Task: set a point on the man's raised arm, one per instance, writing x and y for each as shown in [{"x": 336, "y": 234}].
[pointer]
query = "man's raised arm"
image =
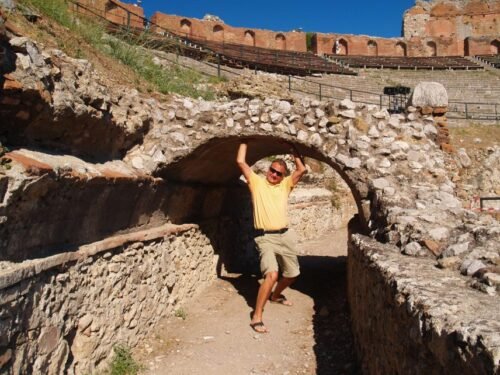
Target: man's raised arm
[
  {"x": 241, "y": 160},
  {"x": 300, "y": 168}
]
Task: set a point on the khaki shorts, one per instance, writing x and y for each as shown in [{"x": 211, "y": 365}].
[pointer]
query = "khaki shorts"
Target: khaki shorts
[{"x": 278, "y": 251}]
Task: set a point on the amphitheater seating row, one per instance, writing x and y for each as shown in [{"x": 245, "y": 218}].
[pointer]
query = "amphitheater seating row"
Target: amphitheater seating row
[
  {"x": 278, "y": 61},
  {"x": 234, "y": 55},
  {"x": 400, "y": 62},
  {"x": 493, "y": 60}
]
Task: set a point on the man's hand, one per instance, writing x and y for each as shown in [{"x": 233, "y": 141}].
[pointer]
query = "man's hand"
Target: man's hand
[
  {"x": 300, "y": 168},
  {"x": 241, "y": 160},
  {"x": 291, "y": 148},
  {"x": 294, "y": 151}
]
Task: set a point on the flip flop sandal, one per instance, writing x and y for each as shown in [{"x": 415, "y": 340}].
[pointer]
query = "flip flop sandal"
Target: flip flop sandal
[
  {"x": 281, "y": 300},
  {"x": 255, "y": 326}
]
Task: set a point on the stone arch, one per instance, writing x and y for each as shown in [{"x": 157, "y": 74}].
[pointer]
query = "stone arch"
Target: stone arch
[
  {"x": 249, "y": 38},
  {"x": 495, "y": 47},
  {"x": 218, "y": 33},
  {"x": 350, "y": 144},
  {"x": 340, "y": 47},
  {"x": 185, "y": 25},
  {"x": 280, "y": 40},
  {"x": 430, "y": 48},
  {"x": 217, "y": 167},
  {"x": 372, "y": 48},
  {"x": 401, "y": 49}
]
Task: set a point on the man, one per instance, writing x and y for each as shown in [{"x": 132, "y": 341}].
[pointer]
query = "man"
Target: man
[{"x": 275, "y": 243}]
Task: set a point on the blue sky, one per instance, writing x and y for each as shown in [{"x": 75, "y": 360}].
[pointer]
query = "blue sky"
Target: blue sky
[{"x": 376, "y": 18}]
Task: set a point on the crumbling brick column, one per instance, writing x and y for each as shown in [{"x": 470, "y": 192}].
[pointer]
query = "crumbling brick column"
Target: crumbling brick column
[{"x": 441, "y": 122}]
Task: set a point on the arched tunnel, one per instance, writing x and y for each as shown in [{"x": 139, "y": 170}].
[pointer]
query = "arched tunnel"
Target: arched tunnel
[
  {"x": 212, "y": 167},
  {"x": 202, "y": 187},
  {"x": 56, "y": 203}
]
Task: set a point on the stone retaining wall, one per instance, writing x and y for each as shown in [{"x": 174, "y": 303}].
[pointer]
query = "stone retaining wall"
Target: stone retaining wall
[
  {"x": 64, "y": 314},
  {"x": 408, "y": 321}
]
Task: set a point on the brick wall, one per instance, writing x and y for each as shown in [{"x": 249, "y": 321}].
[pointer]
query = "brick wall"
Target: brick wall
[
  {"x": 434, "y": 28},
  {"x": 450, "y": 24},
  {"x": 216, "y": 31}
]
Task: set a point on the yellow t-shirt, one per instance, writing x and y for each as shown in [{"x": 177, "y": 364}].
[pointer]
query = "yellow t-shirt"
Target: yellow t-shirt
[{"x": 269, "y": 202}]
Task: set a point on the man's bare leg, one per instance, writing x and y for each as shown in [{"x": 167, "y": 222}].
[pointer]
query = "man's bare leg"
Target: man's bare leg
[
  {"x": 262, "y": 296},
  {"x": 284, "y": 283}
]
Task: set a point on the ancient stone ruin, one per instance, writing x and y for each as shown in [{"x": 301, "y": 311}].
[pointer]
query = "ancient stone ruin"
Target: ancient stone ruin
[
  {"x": 430, "y": 28},
  {"x": 115, "y": 207}
]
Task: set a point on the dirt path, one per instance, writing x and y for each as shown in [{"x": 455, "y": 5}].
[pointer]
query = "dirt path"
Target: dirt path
[{"x": 312, "y": 337}]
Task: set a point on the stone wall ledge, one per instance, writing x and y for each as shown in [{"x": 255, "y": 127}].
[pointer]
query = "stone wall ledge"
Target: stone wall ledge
[
  {"x": 408, "y": 317},
  {"x": 30, "y": 268},
  {"x": 38, "y": 163}
]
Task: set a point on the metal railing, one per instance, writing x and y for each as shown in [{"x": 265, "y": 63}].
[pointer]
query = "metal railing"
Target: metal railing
[
  {"x": 327, "y": 91},
  {"x": 478, "y": 204},
  {"x": 484, "y": 199},
  {"x": 474, "y": 111},
  {"x": 456, "y": 110}
]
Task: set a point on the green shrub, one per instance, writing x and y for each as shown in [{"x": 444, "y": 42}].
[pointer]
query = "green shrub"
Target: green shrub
[
  {"x": 123, "y": 363},
  {"x": 55, "y": 9},
  {"x": 180, "y": 313}
]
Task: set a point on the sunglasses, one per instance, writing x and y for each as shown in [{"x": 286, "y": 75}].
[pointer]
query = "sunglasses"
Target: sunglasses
[{"x": 277, "y": 173}]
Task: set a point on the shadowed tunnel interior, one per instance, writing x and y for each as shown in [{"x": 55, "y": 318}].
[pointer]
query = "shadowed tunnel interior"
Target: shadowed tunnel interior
[{"x": 215, "y": 161}]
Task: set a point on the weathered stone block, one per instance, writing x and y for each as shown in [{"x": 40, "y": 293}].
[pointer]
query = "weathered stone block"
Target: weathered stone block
[{"x": 429, "y": 94}]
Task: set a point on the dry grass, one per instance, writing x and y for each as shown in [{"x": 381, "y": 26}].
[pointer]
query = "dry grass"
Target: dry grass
[
  {"x": 475, "y": 136},
  {"x": 115, "y": 57}
]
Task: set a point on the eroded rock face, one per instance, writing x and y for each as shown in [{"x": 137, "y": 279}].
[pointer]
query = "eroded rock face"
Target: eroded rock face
[
  {"x": 49, "y": 96},
  {"x": 478, "y": 175}
]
